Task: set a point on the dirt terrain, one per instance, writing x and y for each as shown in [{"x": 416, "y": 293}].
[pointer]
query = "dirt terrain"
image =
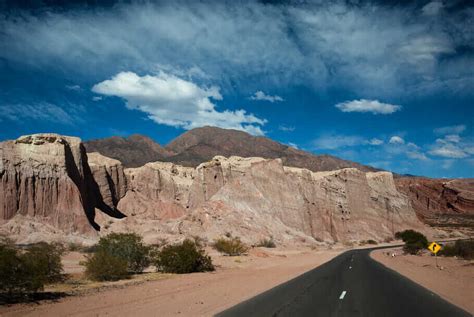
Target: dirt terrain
[
  {"x": 198, "y": 294},
  {"x": 453, "y": 279}
]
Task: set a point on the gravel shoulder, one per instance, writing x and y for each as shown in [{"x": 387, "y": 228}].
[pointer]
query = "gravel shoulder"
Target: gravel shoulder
[{"x": 453, "y": 279}]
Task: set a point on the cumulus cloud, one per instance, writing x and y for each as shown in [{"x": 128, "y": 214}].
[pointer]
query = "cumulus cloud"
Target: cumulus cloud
[
  {"x": 396, "y": 140},
  {"x": 293, "y": 145},
  {"x": 170, "y": 100},
  {"x": 260, "y": 95},
  {"x": 42, "y": 111},
  {"x": 452, "y": 147},
  {"x": 74, "y": 87},
  {"x": 454, "y": 129},
  {"x": 97, "y": 98},
  {"x": 364, "y": 105},
  {"x": 370, "y": 48}
]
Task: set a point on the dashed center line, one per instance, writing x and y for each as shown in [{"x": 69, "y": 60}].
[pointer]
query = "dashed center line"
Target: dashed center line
[{"x": 342, "y": 295}]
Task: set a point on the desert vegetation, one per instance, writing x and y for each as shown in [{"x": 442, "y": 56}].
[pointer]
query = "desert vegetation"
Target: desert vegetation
[
  {"x": 414, "y": 241},
  {"x": 267, "y": 243},
  {"x": 461, "y": 248},
  {"x": 23, "y": 272},
  {"x": 185, "y": 257},
  {"x": 231, "y": 246}
]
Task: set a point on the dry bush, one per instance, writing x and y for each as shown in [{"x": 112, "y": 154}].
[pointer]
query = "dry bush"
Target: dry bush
[{"x": 230, "y": 246}]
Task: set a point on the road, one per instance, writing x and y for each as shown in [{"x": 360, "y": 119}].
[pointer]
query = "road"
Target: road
[{"x": 352, "y": 284}]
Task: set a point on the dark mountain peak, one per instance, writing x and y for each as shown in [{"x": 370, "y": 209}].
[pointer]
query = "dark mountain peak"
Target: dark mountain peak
[
  {"x": 202, "y": 144},
  {"x": 133, "y": 151}
]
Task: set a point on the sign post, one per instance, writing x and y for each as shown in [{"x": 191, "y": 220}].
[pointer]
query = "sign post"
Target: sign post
[{"x": 434, "y": 248}]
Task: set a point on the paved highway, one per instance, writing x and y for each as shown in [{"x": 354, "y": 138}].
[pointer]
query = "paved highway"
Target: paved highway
[{"x": 351, "y": 284}]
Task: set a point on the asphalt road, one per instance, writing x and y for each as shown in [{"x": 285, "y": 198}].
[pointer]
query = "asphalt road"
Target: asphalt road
[{"x": 351, "y": 284}]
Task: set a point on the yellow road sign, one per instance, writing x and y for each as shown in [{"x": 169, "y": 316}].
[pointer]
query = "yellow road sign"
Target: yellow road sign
[{"x": 434, "y": 247}]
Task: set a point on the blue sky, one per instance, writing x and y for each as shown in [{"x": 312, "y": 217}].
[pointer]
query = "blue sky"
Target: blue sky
[{"x": 388, "y": 84}]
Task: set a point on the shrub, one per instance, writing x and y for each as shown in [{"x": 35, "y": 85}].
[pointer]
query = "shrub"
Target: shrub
[
  {"x": 413, "y": 248},
  {"x": 370, "y": 241},
  {"x": 128, "y": 247},
  {"x": 185, "y": 257},
  {"x": 231, "y": 246},
  {"x": 412, "y": 236},
  {"x": 414, "y": 241},
  {"x": 45, "y": 259},
  {"x": 461, "y": 248},
  {"x": 27, "y": 272},
  {"x": 103, "y": 266},
  {"x": 267, "y": 243}
]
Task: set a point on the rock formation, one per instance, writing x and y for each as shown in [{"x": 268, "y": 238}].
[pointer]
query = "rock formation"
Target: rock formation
[
  {"x": 48, "y": 179},
  {"x": 440, "y": 202}
]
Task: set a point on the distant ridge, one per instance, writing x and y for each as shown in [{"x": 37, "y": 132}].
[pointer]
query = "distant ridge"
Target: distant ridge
[{"x": 202, "y": 144}]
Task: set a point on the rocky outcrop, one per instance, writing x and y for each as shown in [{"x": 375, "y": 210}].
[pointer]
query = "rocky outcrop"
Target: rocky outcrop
[
  {"x": 255, "y": 198},
  {"x": 48, "y": 184},
  {"x": 46, "y": 179},
  {"x": 440, "y": 202}
]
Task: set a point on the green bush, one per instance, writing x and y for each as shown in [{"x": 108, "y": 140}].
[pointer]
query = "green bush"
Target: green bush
[
  {"x": 370, "y": 241},
  {"x": 27, "y": 272},
  {"x": 103, "y": 266},
  {"x": 185, "y": 257},
  {"x": 461, "y": 248},
  {"x": 267, "y": 243},
  {"x": 128, "y": 247},
  {"x": 230, "y": 246},
  {"x": 414, "y": 241}
]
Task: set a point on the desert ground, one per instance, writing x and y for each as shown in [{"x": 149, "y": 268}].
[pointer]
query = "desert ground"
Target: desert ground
[
  {"x": 198, "y": 294},
  {"x": 453, "y": 279}
]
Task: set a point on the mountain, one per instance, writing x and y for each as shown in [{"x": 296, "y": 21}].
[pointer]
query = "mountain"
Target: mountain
[
  {"x": 133, "y": 151},
  {"x": 202, "y": 144}
]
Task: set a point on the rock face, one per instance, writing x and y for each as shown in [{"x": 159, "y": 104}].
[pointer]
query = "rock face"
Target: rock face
[
  {"x": 45, "y": 179},
  {"x": 441, "y": 202},
  {"x": 256, "y": 198},
  {"x": 202, "y": 144},
  {"x": 48, "y": 181}
]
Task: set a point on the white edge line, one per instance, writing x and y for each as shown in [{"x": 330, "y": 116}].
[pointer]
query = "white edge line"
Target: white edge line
[{"x": 342, "y": 295}]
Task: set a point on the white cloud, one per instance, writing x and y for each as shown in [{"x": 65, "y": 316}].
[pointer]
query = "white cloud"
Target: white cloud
[
  {"x": 293, "y": 145},
  {"x": 74, "y": 87},
  {"x": 286, "y": 128},
  {"x": 417, "y": 155},
  {"x": 454, "y": 129},
  {"x": 260, "y": 95},
  {"x": 367, "y": 48},
  {"x": 375, "y": 141},
  {"x": 396, "y": 140},
  {"x": 331, "y": 142},
  {"x": 364, "y": 105},
  {"x": 176, "y": 102},
  {"x": 449, "y": 149},
  {"x": 432, "y": 8},
  {"x": 42, "y": 111},
  {"x": 97, "y": 98},
  {"x": 447, "y": 164}
]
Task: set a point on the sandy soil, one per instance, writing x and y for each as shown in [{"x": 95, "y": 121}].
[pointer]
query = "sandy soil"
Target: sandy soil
[
  {"x": 453, "y": 279},
  {"x": 199, "y": 294}
]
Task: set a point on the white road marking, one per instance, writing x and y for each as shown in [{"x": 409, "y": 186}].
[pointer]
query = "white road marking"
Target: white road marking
[
  {"x": 350, "y": 267},
  {"x": 342, "y": 295}
]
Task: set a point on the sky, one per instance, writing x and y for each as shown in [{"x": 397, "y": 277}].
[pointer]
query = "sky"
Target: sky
[{"x": 384, "y": 83}]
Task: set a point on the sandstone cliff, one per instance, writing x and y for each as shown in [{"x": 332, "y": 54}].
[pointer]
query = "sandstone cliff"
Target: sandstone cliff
[
  {"x": 48, "y": 181},
  {"x": 441, "y": 202},
  {"x": 45, "y": 179}
]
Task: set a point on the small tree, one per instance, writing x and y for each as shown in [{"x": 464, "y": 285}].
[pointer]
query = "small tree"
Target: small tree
[
  {"x": 185, "y": 257},
  {"x": 128, "y": 247},
  {"x": 231, "y": 246},
  {"x": 267, "y": 243},
  {"x": 46, "y": 260}
]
